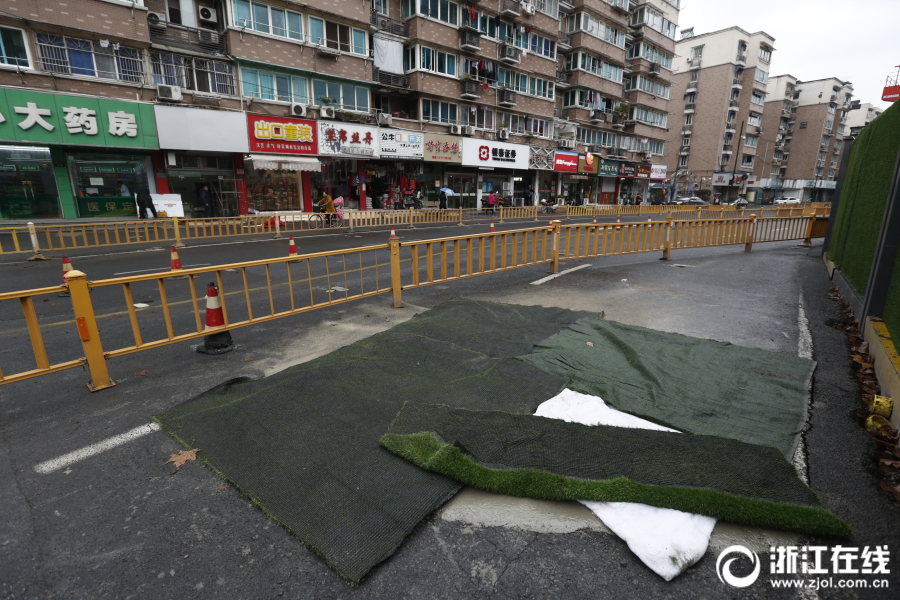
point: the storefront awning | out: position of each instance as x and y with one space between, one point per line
281 162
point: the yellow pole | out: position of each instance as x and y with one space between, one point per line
751 229
411 226
35 245
86 324
807 241
501 214
460 216
178 242
396 286
277 226
554 246
667 249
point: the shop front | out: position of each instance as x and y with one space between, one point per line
202 148
627 189
641 183
344 150
588 189
542 177
608 170
495 165
565 165
443 162
658 183
400 168
281 164
731 186
71 156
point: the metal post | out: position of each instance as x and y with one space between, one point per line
751 230
554 264
411 226
885 253
667 249
807 241
178 242
277 226
396 285
35 246
501 214
460 216
350 222
86 324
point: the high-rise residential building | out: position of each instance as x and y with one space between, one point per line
779 120
861 115
714 136
273 102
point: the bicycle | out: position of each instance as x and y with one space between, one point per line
322 220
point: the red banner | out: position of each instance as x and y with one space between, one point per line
566 162
281 135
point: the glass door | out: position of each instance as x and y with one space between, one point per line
463 186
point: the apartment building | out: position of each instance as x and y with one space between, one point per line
861 115
723 78
273 102
779 120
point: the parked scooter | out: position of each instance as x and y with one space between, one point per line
546 207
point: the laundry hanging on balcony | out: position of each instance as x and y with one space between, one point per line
388 55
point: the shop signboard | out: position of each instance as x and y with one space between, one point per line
281 135
541 158
658 171
401 144
608 168
626 169
588 164
443 148
642 171
349 140
824 184
40 118
108 206
739 179
488 153
200 129
566 162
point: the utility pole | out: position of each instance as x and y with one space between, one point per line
734 169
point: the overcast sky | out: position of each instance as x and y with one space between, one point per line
853 40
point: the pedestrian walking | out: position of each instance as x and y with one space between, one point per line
145 203
529 196
492 202
442 200
205 200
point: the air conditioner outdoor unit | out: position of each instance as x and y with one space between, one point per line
207 14
503 134
567 144
298 110
567 130
530 9
156 19
456 129
328 52
326 112
384 119
598 117
469 130
648 156
170 93
690 60
507 186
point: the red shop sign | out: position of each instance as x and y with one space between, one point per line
566 162
281 135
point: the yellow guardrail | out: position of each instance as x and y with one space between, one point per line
259 291
175 231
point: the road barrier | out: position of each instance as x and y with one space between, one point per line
176 231
260 291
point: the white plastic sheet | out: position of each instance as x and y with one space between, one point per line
388 55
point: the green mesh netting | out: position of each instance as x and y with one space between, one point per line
529 456
303 444
690 384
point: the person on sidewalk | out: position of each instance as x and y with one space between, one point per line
529 196
492 202
205 200
145 203
442 200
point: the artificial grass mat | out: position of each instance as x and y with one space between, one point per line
694 385
303 444
535 457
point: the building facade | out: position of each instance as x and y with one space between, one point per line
861 115
716 148
272 103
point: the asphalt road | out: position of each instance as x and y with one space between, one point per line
121 524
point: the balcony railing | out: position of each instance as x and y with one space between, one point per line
510 8
562 79
690 106
728 148
390 25
390 79
737 82
191 38
733 104
564 42
741 57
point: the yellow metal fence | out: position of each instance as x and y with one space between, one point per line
129 308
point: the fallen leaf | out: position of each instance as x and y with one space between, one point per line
46 299
591 344
141 373
222 489
182 457
248 360
893 490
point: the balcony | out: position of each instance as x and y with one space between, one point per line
469 40
189 38
506 98
690 107
733 104
655 70
562 80
685 150
390 80
637 31
566 6
728 148
470 89
741 57
510 8
564 42
737 83
508 54
687 130
618 121
394 26
694 63
730 128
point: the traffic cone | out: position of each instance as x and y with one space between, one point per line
649 220
220 342
618 220
595 219
176 262
492 227
292 247
67 266
393 233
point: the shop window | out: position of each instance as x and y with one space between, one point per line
193 73
337 36
12 47
268 19
75 56
274 86
27 183
105 184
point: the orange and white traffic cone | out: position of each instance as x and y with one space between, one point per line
618 221
292 247
595 220
492 227
175 261
67 266
220 342
649 220
393 233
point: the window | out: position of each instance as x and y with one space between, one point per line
585 98
540 88
84 57
651 53
595 65
751 141
697 52
594 26
776 170
477 117
639 82
818 171
543 46
381 7
761 76
841 128
758 98
682 161
655 147
174 8
650 117
754 119
268 19
653 19
829 125
747 161
689 119
12 47
830 172
427 59
686 140
803 124
193 73
830 110
337 36
548 7
439 112
606 139
341 95
268 85
695 76
765 54
442 10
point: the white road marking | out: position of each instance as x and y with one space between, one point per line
554 276
804 350
88 451
161 269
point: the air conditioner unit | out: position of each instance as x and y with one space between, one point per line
595 148
503 134
170 93
156 19
328 52
469 130
207 14
384 119
567 144
507 186
566 130
298 110
648 156
456 129
690 60
326 112
530 9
